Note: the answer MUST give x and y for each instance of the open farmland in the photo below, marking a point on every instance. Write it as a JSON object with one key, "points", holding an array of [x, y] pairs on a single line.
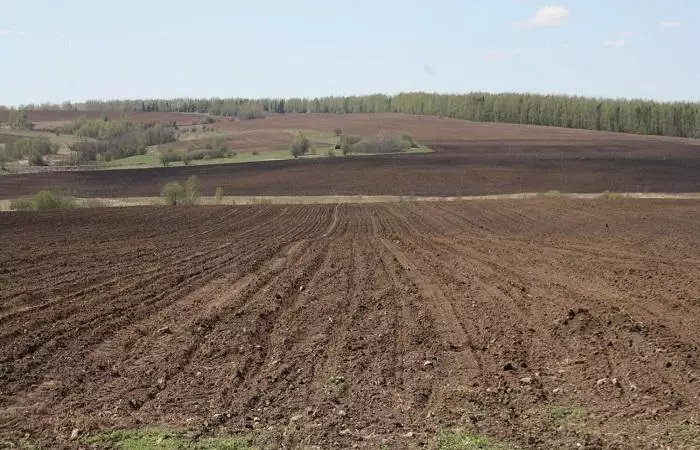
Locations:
{"points": [[545, 323], [456, 168]]}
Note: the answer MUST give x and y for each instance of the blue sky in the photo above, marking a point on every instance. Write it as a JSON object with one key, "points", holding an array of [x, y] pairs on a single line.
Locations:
{"points": [[83, 49]]}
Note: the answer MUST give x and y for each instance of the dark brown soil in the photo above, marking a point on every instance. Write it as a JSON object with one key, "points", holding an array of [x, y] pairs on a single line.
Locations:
{"points": [[547, 323], [457, 168], [470, 159]]}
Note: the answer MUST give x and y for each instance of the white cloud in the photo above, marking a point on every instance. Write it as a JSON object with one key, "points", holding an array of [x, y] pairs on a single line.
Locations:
{"points": [[564, 46], [428, 69], [496, 56], [628, 34], [616, 43], [4, 33], [669, 24], [549, 16]]}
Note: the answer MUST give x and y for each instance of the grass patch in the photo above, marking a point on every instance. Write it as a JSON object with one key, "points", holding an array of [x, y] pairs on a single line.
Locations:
{"points": [[43, 201], [685, 436], [159, 439], [566, 415], [150, 159], [610, 195], [463, 440]]}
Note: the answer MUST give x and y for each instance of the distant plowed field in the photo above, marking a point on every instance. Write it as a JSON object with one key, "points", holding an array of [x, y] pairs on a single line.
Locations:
{"points": [[456, 168], [537, 324]]}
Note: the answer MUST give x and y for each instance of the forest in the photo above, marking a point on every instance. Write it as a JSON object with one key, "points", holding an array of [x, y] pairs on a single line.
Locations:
{"points": [[681, 119]]}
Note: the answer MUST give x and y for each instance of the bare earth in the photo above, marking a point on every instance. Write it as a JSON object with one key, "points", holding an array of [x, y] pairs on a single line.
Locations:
{"points": [[543, 323]]}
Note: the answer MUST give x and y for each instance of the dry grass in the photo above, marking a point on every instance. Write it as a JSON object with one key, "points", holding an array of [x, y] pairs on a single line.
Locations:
{"points": [[337, 199]]}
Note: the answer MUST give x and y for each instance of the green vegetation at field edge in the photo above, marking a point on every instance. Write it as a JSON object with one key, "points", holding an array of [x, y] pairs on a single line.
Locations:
{"points": [[163, 439]]}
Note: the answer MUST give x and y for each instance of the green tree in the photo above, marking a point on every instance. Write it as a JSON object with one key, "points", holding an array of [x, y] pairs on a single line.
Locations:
{"points": [[173, 193], [19, 120], [4, 159], [300, 145], [191, 191]]}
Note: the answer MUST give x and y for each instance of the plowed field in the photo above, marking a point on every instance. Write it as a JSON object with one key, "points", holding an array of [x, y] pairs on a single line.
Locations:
{"points": [[541, 324]]}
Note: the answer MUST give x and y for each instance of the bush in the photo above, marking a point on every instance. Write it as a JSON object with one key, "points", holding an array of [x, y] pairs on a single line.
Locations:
{"points": [[408, 140], [250, 111], [331, 153], [187, 193], [346, 143], [3, 158], [173, 193], [22, 204], [168, 157], [46, 201], [20, 121], [37, 160], [382, 143], [32, 149], [118, 138], [191, 191], [300, 145], [338, 131]]}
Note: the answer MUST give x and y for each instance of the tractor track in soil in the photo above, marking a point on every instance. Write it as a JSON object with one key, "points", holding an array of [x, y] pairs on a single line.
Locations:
{"points": [[341, 325]]}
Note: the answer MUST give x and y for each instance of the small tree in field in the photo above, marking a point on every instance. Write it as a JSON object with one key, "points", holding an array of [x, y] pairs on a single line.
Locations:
{"points": [[191, 191], [173, 193], [338, 131], [300, 145]]}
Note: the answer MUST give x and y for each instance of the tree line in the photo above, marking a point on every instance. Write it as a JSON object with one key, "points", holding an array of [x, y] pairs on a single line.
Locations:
{"points": [[680, 119], [115, 139]]}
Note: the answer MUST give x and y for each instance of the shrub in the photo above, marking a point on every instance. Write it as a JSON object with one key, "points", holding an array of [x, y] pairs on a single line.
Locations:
{"points": [[331, 153], [250, 111], [408, 140], [382, 143], [300, 145], [187, 193], [256, 153], [46, 201], [37, 160], [611, 195], [338, 131], [207, 119], [173, 193], [30, 148], [117, 138], [191, 191], [346, 143], [20, 121], [168, 157], [22, 204]]}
